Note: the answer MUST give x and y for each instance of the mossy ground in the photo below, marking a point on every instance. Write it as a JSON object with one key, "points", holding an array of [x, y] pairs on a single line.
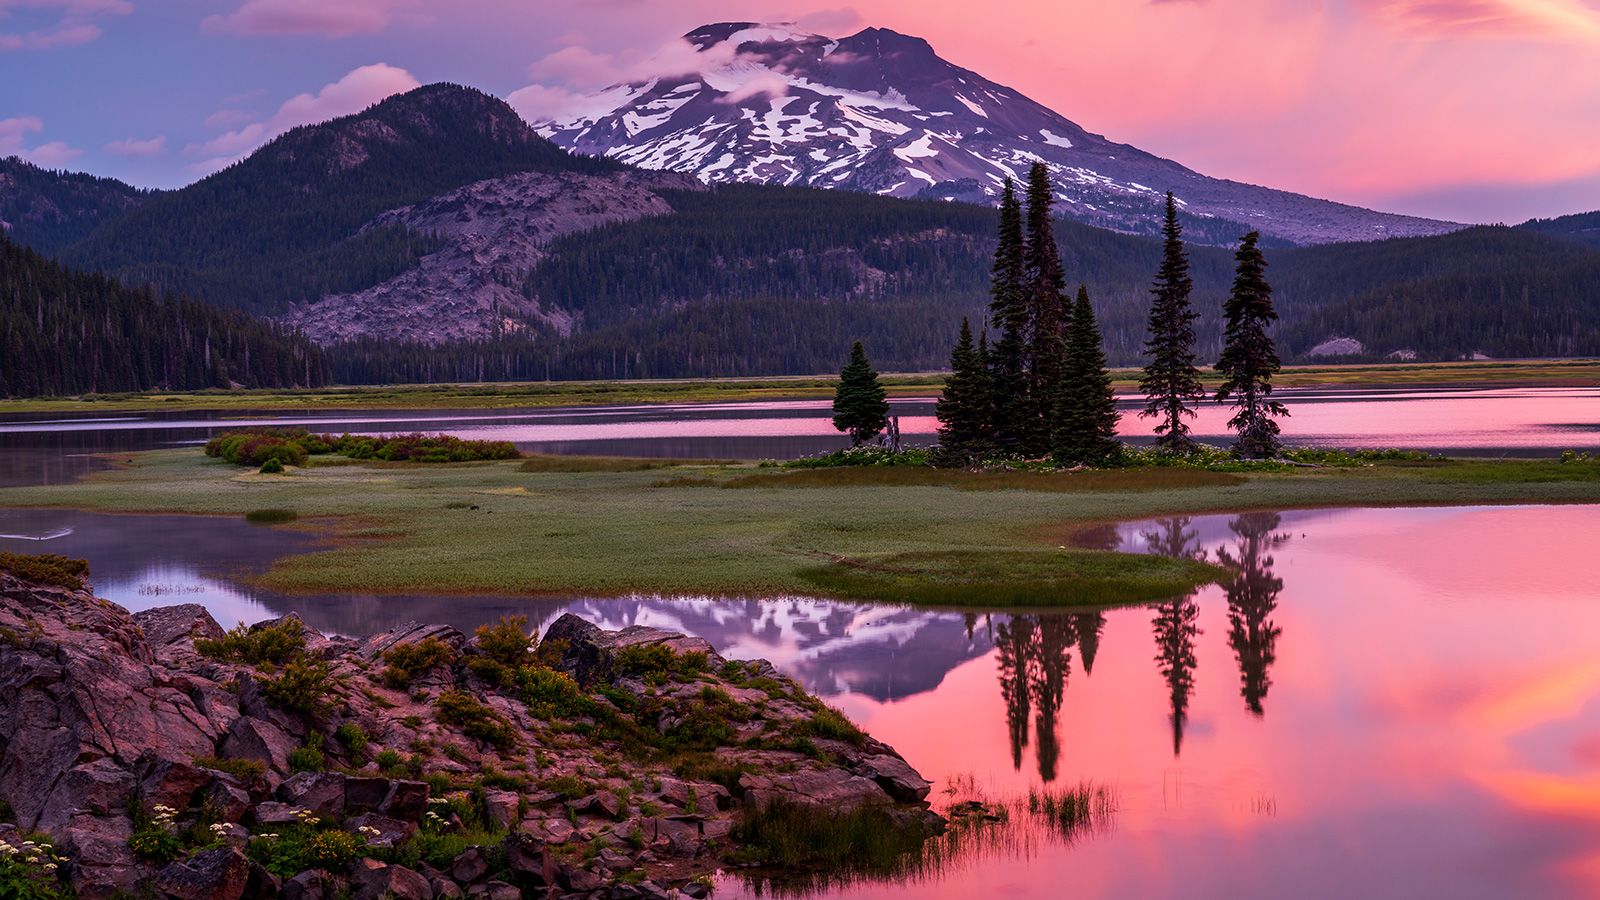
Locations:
{"points": [[877, 534]]}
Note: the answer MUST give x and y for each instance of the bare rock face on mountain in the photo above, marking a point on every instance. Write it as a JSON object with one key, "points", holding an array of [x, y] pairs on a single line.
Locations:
{"points": [[494, 231], [614, 764], [880, 111]]}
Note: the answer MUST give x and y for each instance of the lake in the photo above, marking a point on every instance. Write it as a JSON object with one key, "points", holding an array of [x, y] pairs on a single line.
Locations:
{"points": [[52, 448], [1385, 702]]}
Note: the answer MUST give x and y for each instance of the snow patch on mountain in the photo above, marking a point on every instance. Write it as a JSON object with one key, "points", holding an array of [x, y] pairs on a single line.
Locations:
{"points": [[879, 111]]}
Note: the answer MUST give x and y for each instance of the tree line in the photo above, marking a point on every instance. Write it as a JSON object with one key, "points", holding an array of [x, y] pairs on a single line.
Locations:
{"points": [[69, 332], [1043, 388]]}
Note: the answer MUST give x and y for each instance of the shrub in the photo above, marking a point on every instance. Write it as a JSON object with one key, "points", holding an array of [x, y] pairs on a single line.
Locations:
{"points": [[830, 724], [423, 448], [653, 663], [475, 720], [354, 738], [270, 516], [273, 466], [274, 644], [154, 839], [246, 770], [864, 456], [304, 846], [506, 641], [405, 661], [47, 568], [552, 695], [256, 447], [309, 757], [303, 686]]}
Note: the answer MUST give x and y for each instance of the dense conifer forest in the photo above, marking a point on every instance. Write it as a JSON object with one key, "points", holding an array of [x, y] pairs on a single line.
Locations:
{"points": [[68, 332], [49, 210], [284, 225]]}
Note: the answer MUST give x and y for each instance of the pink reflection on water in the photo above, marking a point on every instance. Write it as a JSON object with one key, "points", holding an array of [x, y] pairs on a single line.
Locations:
{"points": [[1429, 721]]}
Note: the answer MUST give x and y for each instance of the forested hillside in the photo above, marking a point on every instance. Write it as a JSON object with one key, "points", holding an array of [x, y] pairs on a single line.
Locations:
{"points": [[1581, 228], [283, 225], [68, 332], [48, 210]]}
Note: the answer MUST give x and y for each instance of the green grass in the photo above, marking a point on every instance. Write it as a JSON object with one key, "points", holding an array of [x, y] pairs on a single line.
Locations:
{"points": [[1572, 372], [1003, 578], [402, 529]]}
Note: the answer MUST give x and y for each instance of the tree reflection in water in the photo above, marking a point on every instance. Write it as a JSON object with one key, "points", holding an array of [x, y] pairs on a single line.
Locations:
{"points": [[1252, 596], [1175, 624]]}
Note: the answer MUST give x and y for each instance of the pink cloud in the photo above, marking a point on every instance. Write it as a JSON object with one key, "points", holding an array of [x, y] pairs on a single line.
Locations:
{"points": [[72, 26], [328, 18], [136, 147], [1557, 20], [357, 90], [14, 142]]}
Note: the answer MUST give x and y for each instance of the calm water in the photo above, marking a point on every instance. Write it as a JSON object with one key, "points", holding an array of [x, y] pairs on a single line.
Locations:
{"points": [[1526, 421], [1384, 703]]}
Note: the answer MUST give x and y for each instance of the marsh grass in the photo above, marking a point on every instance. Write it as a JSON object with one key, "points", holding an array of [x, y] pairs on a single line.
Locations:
{"points": [[270, 516], [979, 579], [1074, 812], [613, 534], [1140, 479], [611, 463]]}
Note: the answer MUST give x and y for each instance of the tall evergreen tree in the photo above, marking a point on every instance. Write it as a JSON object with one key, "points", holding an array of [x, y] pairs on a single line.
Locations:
{"points": [[860, 406], [1086, 409], [963, 408], [1047, 312], [1171, 382], [1008, 305], [1249, 359]]}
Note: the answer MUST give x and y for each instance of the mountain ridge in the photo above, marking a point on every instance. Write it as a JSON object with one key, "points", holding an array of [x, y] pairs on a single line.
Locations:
{"points": [[881, 112]]}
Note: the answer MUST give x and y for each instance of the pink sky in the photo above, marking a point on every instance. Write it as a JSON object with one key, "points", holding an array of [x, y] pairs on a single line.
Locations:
{"points": [[1476, 110], [1479, 109]]}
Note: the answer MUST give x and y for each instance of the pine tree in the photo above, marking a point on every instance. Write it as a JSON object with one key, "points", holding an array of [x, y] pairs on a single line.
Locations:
{"points": [[860, 406], [1249, 358], [1171, 382], [1008, 304], [1047, 312], [1086, 409], [962, 409]]}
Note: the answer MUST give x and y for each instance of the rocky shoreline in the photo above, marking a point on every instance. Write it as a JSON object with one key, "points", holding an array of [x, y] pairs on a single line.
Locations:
{"points": [[155, 754]]}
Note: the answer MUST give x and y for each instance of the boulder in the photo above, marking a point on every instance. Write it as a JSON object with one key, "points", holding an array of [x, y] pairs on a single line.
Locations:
{"points": [[320, 792], [407, 800], [502, 808], [832, 788], [96, 788], [208, 875], [526, 856], [259, 740], [471, 865], [365, 794], [101, 865], [494, 890], [896, 777], [373, 880], [309, 885], [600, 803], [171, 782], [381, 831], [165, 626], [590, 649]]}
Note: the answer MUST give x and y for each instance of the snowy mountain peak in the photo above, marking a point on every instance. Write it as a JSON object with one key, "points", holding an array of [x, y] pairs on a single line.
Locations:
{"points": [[881, 112]]}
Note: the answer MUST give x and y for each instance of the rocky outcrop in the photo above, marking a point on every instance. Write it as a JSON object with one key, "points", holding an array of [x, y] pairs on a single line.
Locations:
{"points": [[494, 232], [609, 763]]}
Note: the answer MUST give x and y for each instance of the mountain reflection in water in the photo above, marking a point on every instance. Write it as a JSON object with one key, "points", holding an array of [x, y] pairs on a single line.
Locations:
{"points": [[1378, 702]]}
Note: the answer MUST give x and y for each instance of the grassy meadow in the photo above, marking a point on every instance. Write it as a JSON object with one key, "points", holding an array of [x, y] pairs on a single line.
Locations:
{"points": [[505, 395], [583, 526]]}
